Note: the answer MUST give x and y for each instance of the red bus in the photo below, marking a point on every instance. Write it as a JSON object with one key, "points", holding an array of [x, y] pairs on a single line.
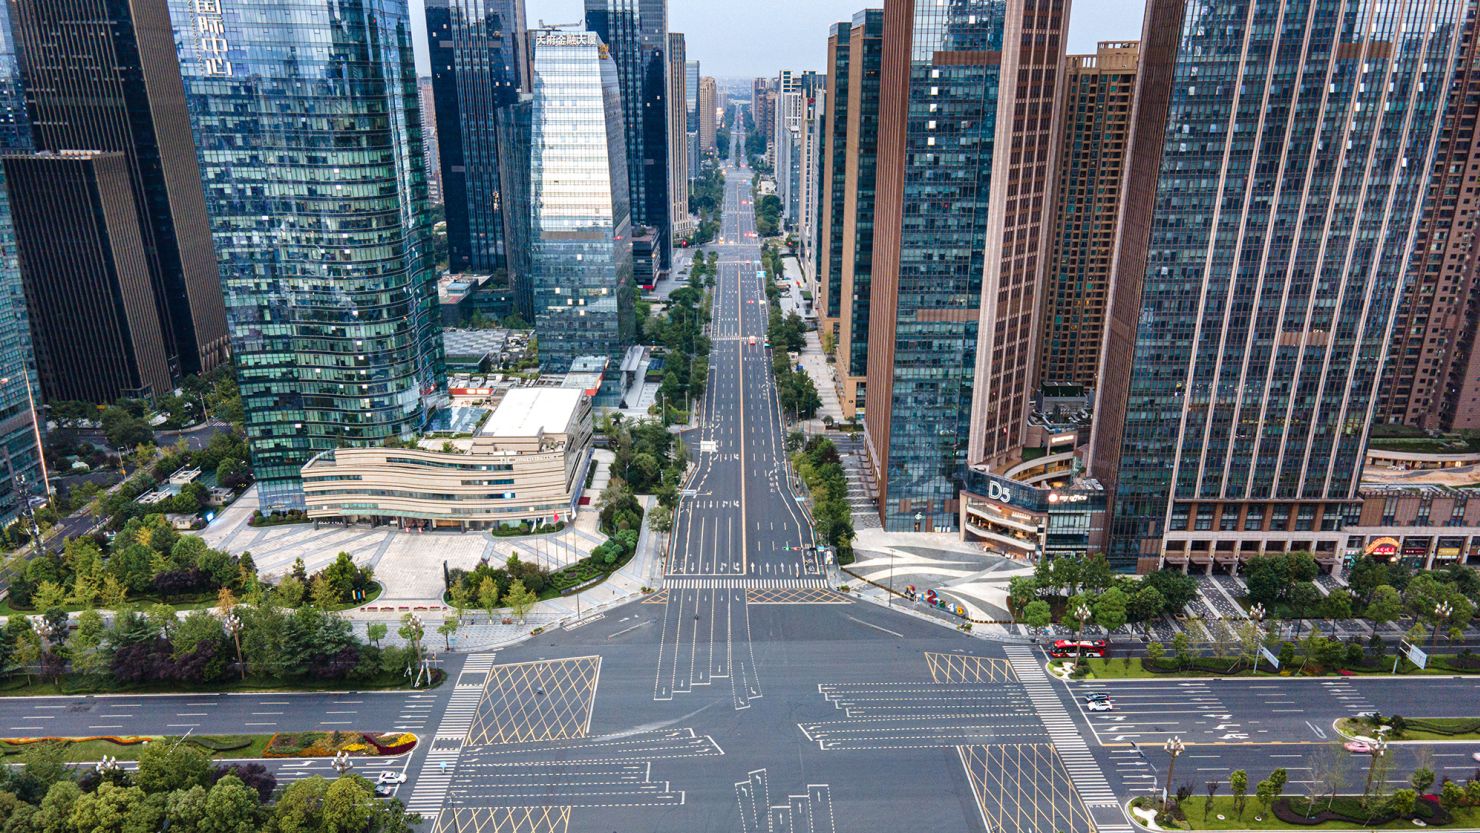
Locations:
{"points": [[1065, 648]]}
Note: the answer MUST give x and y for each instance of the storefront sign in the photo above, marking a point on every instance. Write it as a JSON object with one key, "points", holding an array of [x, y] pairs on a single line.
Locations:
{"points": [[1383, 548]]}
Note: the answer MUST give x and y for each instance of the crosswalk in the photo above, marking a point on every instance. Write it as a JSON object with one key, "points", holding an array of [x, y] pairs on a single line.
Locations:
{"points": [[1084, 770], [674, 583], [437, 770]]}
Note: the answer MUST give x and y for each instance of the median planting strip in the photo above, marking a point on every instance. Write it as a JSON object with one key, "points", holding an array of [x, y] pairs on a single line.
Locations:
{"points": [[1398, 728], [279, 745]]}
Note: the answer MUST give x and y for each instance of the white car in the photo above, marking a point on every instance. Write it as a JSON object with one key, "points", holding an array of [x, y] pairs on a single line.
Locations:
{"points": [[390, 777], [1100, 706]]}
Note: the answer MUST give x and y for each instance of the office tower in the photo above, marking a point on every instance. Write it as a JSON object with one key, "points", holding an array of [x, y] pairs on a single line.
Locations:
{"points": [[318, 203], [23, 476], [97, 331], [708, 106], [581, 219], [678, 120], [427, 98], [1432, 375], [763, 107], [515, 124], [636, 34], [810, 143], [691, 104], [1279, 158], [832, 183], [958, 242], [787, 126], [860, 167], [1096, 118], [102, 75], [475, 48]]}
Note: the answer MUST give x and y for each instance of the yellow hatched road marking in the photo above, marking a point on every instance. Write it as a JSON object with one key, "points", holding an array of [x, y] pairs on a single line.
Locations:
{"points": [[1024, 788], [504, 820], [961, 668]]}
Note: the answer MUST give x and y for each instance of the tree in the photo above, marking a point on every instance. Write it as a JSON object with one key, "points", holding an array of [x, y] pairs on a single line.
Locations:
{"points": [[448, 629], [375, 632], [349, 805], [27, 644], [1182, 648], [1154, 652], [1037, 614], [1338, 604], [1212, 788], [1330, 769], [518, 599], [488, 595], [88, 656], [461, 598], [1403, 803], [1264, 791], [231, 807], [1386, 605], [1110, 608], [1421, 779], [1145, 605], [1238, 782], [165, 767]]}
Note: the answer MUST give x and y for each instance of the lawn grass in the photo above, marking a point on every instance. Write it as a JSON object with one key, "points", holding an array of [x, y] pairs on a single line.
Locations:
{"points": [[1464, 818], [18, 686], [1418, 728], [1131, 668], [216, 746], [201, 603]]}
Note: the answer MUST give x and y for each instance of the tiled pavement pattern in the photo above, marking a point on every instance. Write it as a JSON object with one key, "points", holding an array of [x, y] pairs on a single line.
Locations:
{"points": [[809, 812], [505, 820], [1024, 788], [441, 763], [795, 596], [535, 701]]}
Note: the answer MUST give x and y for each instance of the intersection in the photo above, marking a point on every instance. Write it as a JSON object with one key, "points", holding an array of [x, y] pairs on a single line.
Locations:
{"points": [[749, 695]]}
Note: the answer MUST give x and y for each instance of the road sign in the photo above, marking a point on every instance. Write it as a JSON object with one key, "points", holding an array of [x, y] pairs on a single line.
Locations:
{"points": [[1267, 654], [1415, 655]]}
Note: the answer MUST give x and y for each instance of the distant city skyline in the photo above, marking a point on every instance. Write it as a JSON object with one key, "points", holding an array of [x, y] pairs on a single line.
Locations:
{"points": [[723, 37]]}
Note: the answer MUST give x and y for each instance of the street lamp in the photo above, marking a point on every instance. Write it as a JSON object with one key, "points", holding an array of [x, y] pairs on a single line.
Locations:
{"points": [[1379, 748], [1441, 615], [233, 624], [1174, 747], [1256, 612], [1081, 614], [342, 764]]}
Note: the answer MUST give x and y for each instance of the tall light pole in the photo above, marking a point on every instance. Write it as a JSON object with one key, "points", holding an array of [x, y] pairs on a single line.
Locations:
{"points": [[1379, 748], [1441, 615], [1174, 747], [1256, 612], [1081, 615], [234, 625]]}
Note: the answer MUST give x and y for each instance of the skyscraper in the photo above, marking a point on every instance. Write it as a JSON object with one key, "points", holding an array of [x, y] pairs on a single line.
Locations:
{"points": [[23, 475], [832, 182], [691, 105], [1280, 155], [1432, 375], [103, 76], [708, 105], [811, 143], [515, 125], [763, 107], [1099, 93], [958, 242], [427, 98], [678, 120], [636, 33], [860, 169], [787, 126], [96, 327], [580, 223], [476, 52], [311, 149]]}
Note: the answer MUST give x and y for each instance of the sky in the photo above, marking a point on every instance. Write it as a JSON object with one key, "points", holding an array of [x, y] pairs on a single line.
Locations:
{"points": [[741, 38]]}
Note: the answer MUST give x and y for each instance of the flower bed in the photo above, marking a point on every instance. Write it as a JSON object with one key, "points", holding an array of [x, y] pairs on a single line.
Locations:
{"points": [[121, 740], [329, 744]]}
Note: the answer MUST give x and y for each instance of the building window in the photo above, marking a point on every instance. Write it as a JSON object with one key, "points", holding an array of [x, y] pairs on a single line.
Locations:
{"points": [[1254, 519], [1204, 517]]}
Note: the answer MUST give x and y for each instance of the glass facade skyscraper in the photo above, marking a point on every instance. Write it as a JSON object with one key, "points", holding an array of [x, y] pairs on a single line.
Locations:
{"points": [[580, 221], [476, 51], [959, 83], [636, 34], [1294, 149], [24, 472], [308, 131]]}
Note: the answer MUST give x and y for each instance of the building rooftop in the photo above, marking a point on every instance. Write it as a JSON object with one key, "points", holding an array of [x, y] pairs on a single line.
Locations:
{"points": [[527, 412]]}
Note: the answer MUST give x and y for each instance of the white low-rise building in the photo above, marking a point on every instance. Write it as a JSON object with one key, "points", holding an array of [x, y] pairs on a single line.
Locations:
{"points": [[525, 462]]}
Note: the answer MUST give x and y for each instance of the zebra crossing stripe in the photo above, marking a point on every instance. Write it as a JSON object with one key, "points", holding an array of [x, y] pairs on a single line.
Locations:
{"points": [[676, 583], [1089, 778], [435, 776]]}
